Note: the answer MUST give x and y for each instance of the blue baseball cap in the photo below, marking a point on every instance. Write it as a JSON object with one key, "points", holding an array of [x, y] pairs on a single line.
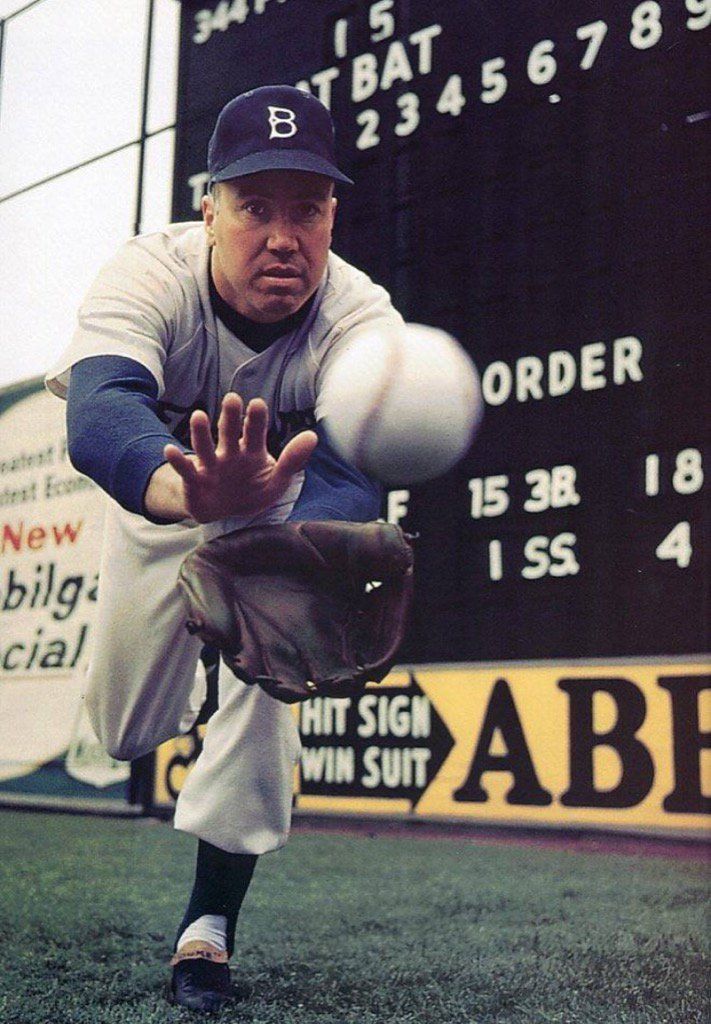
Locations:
{"points": [[274, 128]]}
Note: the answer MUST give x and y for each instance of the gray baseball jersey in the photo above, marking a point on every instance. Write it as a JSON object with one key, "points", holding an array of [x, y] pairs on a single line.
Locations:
{"points": [[151, 303]]}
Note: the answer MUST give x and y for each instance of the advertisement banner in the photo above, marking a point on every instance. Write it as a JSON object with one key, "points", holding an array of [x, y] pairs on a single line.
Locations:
{"points": [[50, 535]]}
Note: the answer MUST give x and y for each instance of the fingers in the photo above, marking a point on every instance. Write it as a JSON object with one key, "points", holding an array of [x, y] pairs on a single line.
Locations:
{"points": [[201, 438], [255, 427], [294, 457], [180, 462], [229, 425]]}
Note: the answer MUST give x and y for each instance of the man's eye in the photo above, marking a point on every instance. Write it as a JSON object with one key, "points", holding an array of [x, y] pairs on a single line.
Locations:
{"points": [[309, 211], [255, 208]]}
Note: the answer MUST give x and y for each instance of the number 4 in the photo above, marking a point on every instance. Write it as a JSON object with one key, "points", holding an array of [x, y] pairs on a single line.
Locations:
{"points": [[451, 98], [676, 546]]}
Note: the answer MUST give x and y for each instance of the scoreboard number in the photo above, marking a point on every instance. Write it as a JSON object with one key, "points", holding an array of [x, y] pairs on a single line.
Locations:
{"points": [[496, 566], [224, 15], [451, 99], [651, 475], [409, 104], [369, 119], [701, 14], [220, 19], [541, 65], [381, 20], [594, 33], [489, 496], [340, 38], [493, 81], [646, 25], [676, 546], [687, 477]]}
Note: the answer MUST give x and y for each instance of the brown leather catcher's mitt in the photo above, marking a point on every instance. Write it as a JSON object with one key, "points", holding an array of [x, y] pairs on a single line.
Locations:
{"points": [[291, 608]]}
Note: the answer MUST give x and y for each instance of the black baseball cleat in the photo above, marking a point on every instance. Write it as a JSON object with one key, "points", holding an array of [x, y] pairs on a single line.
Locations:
{"points": [[201, 980]]}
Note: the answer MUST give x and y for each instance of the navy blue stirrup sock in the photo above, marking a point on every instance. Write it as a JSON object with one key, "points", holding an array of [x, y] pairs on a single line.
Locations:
{"points": [[221, 883]]}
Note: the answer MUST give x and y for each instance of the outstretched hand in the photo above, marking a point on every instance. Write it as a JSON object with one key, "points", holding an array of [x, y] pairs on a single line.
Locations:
{"points": [[237, 475]]}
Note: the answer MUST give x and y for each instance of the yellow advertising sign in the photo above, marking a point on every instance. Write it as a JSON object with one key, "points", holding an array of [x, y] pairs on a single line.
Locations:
{"points": [[624, 745], [174, 760]]}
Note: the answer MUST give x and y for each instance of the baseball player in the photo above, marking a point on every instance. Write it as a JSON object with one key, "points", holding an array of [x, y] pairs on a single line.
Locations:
{"points": [[194, 384]]}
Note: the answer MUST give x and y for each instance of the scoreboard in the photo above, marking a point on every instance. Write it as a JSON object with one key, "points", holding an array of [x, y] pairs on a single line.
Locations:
{"points": [[529, 177]]}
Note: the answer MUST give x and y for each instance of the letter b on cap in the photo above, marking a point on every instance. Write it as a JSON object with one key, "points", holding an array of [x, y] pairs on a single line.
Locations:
{"points": [[282, 122]]}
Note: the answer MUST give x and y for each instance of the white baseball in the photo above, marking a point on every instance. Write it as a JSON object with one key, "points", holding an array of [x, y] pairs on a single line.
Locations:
{"points": [[402, 402]]}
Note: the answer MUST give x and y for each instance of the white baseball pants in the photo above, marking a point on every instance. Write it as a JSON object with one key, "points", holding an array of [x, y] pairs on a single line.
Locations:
{"points": [[142, 670]]}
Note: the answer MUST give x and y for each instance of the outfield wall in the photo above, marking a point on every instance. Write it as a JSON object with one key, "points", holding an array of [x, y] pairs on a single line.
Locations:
{"points": [[615, 743], [615, 746]]}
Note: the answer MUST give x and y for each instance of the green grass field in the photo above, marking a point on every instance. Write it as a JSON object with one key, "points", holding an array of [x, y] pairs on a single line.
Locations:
{"points": [[353, 930]]}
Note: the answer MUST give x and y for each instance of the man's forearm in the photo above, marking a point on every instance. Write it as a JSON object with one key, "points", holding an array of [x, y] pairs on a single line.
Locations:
{"points": [[116, 438], [335, 489]]}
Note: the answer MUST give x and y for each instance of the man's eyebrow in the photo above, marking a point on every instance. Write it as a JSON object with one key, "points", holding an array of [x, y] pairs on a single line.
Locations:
{"points": [[311, 194]]}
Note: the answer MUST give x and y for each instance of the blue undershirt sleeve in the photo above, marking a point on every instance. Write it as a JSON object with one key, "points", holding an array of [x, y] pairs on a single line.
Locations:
{"points": [[114, 433], [116, 438], [334, 489]]}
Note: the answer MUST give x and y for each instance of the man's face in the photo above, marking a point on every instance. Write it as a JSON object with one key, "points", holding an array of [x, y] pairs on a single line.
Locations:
{"points": [[270, 234]]}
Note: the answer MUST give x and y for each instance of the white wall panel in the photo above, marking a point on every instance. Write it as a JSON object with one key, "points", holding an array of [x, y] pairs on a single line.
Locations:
{"points": [[54, 239], [163, 81], [8, 7], [157, 181], [71, 86]]}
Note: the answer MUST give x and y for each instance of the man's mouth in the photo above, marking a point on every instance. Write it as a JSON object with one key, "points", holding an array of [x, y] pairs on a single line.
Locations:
{"points": [[281, 271]]}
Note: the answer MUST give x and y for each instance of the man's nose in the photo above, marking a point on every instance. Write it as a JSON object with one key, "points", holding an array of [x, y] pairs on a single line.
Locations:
{"points": [[282, 237]]}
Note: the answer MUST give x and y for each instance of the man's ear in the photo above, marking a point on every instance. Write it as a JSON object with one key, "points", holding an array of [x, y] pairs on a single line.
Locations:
{"points": [[208, 215], [334, 207]]}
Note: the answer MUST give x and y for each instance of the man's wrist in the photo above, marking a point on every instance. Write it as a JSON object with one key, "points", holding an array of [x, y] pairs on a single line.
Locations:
{"points": [[164, 497]]}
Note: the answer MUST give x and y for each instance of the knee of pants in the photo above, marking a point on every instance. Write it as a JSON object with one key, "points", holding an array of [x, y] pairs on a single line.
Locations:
{"points": [[115, 743], [112, 732]]}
